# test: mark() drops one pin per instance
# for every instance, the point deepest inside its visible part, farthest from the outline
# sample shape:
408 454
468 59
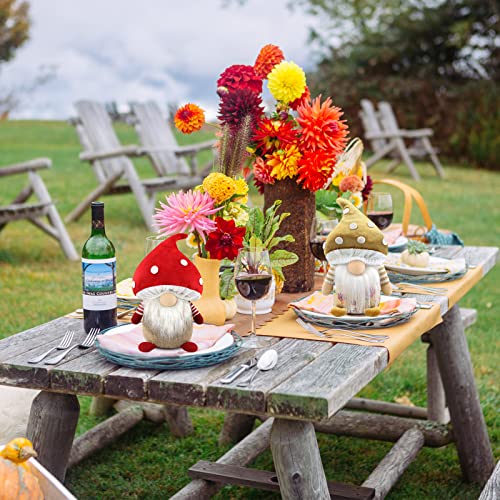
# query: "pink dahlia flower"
186 212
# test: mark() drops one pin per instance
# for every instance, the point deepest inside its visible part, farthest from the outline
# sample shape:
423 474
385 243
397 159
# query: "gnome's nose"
168 300
356 267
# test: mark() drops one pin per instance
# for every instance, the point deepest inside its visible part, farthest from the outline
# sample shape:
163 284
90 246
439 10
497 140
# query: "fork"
88 341
430 289
64 344
365 337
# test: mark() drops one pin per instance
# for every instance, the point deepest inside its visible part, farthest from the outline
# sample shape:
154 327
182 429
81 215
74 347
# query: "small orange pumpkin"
16 480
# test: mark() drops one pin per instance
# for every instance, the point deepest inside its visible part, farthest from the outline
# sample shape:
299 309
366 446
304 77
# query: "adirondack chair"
157 138
113 167
21 209
387 139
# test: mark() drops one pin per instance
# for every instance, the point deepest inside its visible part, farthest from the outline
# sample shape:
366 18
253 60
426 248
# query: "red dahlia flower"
272 134
226 240
303 99
315 168
236 105
240 76
269 56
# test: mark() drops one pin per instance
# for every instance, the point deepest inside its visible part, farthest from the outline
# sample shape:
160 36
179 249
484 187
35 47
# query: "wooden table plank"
188 387
39 336
293 355
83 374
325 385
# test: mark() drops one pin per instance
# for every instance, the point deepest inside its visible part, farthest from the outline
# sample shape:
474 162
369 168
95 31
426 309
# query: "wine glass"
379 209
253 276
318 238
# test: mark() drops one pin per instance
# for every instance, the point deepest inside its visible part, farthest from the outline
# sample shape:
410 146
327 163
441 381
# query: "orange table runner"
400 336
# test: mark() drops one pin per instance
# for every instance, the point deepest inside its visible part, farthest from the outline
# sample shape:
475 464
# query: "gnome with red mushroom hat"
356 251
166 282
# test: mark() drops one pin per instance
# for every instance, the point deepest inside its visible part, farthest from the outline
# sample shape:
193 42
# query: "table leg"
236 427
469 427
297 461
51 428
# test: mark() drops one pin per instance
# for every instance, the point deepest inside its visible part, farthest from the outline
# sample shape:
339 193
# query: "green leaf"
283 258
227 287
272 242
255 244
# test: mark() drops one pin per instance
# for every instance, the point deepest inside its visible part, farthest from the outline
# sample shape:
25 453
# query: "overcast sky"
165 50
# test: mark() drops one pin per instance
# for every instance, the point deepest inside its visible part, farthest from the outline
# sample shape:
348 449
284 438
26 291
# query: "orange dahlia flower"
315 168
189 118
322 127
269 56
351 183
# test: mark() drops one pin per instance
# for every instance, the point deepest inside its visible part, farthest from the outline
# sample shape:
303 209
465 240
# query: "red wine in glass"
381 219
253 286
317 248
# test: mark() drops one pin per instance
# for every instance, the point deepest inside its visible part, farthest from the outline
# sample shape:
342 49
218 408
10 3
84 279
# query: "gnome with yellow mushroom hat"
356 251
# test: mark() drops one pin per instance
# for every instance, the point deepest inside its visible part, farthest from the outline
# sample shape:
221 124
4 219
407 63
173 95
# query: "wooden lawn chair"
157 138
387 139
34 212
113 167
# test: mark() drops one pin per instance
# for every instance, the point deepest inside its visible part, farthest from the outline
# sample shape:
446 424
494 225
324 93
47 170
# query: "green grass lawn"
38 284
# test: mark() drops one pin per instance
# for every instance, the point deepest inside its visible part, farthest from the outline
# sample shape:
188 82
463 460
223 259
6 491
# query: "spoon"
266 362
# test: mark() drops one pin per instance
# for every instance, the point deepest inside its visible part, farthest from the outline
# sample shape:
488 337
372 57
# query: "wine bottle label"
99 284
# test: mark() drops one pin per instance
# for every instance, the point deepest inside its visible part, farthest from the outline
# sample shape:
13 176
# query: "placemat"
455 290
400 337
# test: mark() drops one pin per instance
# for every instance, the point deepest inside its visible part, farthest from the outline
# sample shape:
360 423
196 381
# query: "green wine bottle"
98 275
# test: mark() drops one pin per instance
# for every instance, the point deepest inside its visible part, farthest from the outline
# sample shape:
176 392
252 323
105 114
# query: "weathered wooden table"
311 384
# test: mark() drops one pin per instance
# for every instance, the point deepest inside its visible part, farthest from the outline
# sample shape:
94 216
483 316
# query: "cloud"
168 51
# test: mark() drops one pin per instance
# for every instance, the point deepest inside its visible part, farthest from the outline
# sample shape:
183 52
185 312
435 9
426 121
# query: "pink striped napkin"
126 341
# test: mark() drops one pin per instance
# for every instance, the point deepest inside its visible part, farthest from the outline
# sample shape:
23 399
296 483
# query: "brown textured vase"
301 205
210 305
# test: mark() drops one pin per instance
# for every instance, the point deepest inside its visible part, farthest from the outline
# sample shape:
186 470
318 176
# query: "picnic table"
307 391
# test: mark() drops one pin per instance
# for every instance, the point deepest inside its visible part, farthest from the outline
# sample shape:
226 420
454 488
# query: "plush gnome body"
166 282
356 251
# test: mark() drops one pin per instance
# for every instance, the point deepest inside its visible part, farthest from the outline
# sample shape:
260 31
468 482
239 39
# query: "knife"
234 374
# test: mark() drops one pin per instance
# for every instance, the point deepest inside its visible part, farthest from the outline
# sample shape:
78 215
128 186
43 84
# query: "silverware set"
371 338
66 346
405 286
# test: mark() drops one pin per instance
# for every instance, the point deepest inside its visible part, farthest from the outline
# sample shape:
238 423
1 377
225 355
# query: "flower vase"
301 205
210 305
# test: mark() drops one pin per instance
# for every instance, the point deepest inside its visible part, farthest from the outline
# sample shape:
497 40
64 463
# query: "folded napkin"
317 302
391 235
127 342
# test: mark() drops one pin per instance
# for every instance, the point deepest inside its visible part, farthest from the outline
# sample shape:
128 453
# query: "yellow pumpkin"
16 480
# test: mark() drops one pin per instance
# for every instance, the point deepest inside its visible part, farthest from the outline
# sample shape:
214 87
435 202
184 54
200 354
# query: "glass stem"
253 316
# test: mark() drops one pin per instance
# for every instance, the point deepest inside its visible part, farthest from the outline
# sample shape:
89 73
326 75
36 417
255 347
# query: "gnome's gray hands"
327 287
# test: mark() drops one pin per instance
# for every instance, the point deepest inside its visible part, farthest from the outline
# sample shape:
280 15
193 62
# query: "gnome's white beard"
357 292
167 327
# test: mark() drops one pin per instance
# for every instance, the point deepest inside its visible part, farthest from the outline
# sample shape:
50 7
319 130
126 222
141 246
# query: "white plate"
400 242
394 264
225 341
350 317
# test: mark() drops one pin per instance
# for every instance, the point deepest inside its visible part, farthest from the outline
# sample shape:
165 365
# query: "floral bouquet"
292 149
214 215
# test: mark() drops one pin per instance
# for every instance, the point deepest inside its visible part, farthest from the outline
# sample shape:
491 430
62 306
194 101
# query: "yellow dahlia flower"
286 82
283 162
241 190
219 186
